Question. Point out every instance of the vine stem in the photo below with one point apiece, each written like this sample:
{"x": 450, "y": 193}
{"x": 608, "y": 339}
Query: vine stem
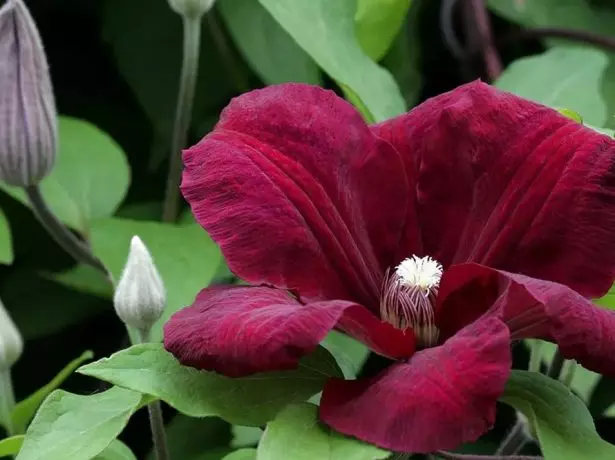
{"x": 58, "y": 231}
{"x": 7, "y": 400}
{"x": 514, "y": 441}
{"x": 156, "y": 421}
{"x": 183, "y": 113}
{"x": 493, "y": 63}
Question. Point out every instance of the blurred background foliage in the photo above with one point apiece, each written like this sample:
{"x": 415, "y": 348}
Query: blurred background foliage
{"x": 115, "y": 69}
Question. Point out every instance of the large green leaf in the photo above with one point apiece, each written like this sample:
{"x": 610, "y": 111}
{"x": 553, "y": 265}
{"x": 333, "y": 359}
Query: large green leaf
{"x": 75, "y": 427}
{"x": 185, "y": 256}
{"x": 562, "y": 422}
{"x": 562, "y": 77}
{"x": 377, "y": 23}
{"x": 349, "y": 353}
{"x": 326, "y": 31}
{"x": 574, "y": 14}
{"x": 90, "y": 178}
{"x": 249, "y": 401}
{"x": 24, "y": 410}
{"x": 10, "y": 446}
{"x": 242, "y": 454}
{"x": 6, "y": 242}
{"x": 145, "y": 37}
{"x": 296, "y": 433}
{"x": 270, "y": 51}
{"x": 117, "y": 450}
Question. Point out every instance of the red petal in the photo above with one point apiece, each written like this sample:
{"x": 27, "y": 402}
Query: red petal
{"x": 299, "y": 193}
{"x": 441, "y": 398}
{"x": 532, "y": 308}
{"x": 510, "y": 184}
{"x": 239, "y": 331}
{"x": 378, "y": 335}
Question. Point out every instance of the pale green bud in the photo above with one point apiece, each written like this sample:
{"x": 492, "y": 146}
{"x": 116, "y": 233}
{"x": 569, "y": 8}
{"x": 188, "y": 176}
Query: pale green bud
{"x": 191, "y": 8}
{"x": 11, "y": 343}
{"x": 28, "y": 123}
{"x": 140, "y": 296}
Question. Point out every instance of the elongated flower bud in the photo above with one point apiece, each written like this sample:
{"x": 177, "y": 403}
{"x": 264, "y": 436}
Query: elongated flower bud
{"x": 28, "y": 123}
{"x": 140, "y": 296}
{"x": 191, "y": 8}
{"x": 11, "y": 343}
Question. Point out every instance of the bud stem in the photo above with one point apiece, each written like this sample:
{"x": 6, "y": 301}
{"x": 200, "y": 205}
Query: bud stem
{"x": 7, "y": 400}
{"x": 62, "y": 235}
{"x": 185, "y": 99}
{"x": 154, "y": 409}
{"x": 515, "y": 440}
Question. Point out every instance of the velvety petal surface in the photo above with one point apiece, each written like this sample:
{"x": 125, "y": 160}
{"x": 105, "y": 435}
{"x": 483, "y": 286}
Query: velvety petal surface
{"x": 299, "y": 193}
{"x": 238, "y": 331}
{"x": 508, "y": 183}
{"x": 531, "y": 308}
{"x": 440, "y": 398}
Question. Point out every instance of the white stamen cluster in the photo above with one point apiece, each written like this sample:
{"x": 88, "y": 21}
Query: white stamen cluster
{"x": 408, "y": 297}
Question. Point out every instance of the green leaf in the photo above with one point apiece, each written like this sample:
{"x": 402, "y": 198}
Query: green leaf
{"x": 608, "y": 300}
{"x": 41, "y": 307}
{"x": 24, "y": 410}
{"x": 296, "y": 433}
{"x": 584, "y": 381}
{"x": 349, "y": 353}
{"x": 326, "y": 31}
{"x": 188, "y": 437}
{"x": 145, "y": 37}
{"x": 244, "y": 436}
{"x": 242, "y": 454}
{"x": 75, "y": 427}
{"x": 10, "y": 446}
{"x": 117, "y": 450}
{"x": 6, "y": 242}
{"x": 185, "y": 256}
{"x": 269, "y": 50}
{"x": 563, "y": 424}
{"x": 610, "y": 412}
{"x": 561, "y": 77}
{"x": 90, "y": 178}
{"x": 251, "y": 401}
{"x": 377, "y": 24}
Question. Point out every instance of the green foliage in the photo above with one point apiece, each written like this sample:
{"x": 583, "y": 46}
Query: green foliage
{"x": 146, "y": 39}
{"x": 250, "y": 401}
{"x": 296, "y": 433}
{"x": 117, "y": 450}
{"x": 377, "y": 24}
{"x": 78, "y": 427}
{"x": 242, "y": 454}
{"x": 90, "y": 178}
{"x": 188, "y": 437}
{"x": 349, "y": 353}
{"x": 266, "y": 46}
{"x": 24, "y": 411}
{"x": 562, "y": 423}
{"x": 185, "y": 256}
{"x": 561, "y": 77}
{"x": 326, "y": 31}
{"x": 6, "y": 242}
{"x": 10, "y": 446}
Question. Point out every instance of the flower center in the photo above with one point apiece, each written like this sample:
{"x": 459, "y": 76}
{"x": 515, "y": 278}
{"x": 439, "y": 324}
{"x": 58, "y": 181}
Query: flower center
{"x": 408, "y": 297}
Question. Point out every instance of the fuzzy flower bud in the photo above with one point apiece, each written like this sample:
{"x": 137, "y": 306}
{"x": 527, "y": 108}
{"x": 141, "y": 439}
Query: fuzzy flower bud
{"x": 191, "y": 8}
{"x": 28, "y": 123}
{"x": 11, "y": 343}
{"x": 140, "y": 296}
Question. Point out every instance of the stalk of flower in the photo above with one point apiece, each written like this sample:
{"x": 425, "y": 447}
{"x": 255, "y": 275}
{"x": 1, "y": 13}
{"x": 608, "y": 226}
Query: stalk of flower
{"x": 436, "y": 238}
{"x": 11, "y": 348}
{"x": 28, "y": 121}
{"x": 139, "y": 301}
{"x": 192, "y": 12}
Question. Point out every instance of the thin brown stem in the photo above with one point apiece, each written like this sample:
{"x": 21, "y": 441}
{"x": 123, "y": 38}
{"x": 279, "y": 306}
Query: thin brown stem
{"x": 493, "y": 63}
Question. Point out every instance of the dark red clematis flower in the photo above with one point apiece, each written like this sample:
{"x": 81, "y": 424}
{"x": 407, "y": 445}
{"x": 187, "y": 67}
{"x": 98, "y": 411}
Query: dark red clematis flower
{"x": 434, "y": 238}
